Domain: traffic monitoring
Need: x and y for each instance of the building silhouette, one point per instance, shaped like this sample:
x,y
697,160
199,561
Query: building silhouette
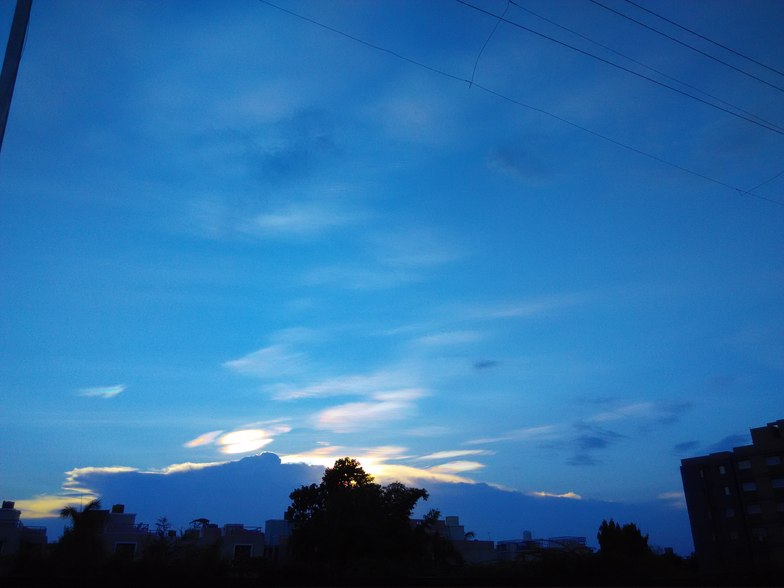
x,y
16,537
736,503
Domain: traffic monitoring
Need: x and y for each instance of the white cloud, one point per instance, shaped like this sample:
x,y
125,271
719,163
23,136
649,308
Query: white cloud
x,y
639,409
103,391
455,453
457,466
450,338
569,495
203,439
269,362
72,484
356,384
242,440
355,416
416,247
45,506
544,431
527,308
299,219
187,466
675,499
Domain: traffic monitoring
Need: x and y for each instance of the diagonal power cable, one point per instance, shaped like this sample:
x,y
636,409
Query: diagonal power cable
x,y
704,38
692,47
519,103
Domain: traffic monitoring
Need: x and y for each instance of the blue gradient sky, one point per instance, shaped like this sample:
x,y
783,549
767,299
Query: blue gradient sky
x,y
225,230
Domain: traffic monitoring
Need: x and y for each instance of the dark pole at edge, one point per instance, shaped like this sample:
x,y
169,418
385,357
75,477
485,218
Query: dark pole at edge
x,y
13,55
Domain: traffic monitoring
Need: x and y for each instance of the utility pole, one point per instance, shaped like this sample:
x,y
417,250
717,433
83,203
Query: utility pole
x,y
13,55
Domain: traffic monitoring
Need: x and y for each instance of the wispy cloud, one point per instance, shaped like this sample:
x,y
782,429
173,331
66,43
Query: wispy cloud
x,y
527,308
685,446
728,443
49,505
674,499
450,338
540,432
567,495
662,412
454,453
73,485
269,362
415,247
242,440
203,439
103,391
454,467
382,408
300,220
347,385
361,277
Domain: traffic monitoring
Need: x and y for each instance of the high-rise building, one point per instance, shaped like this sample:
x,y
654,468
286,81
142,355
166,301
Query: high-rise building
x,y
736,503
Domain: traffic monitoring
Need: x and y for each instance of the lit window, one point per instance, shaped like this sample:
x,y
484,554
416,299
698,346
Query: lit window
x,y
722,470
749,486
777,482
773,460
727,491
744,464
754,509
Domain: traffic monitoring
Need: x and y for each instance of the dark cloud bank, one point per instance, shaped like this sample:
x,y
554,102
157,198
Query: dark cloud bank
x,y
255,489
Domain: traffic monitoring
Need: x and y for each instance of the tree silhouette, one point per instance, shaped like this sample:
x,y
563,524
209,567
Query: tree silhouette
x,y
81,542
348,517
622,541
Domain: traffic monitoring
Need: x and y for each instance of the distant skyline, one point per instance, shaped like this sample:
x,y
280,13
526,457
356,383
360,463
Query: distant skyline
x,y
457,248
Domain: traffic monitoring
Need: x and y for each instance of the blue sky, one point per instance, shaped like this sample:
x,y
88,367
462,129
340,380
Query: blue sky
x,y
227,230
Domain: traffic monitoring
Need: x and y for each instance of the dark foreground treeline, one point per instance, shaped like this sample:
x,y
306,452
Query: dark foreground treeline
x,y
203,566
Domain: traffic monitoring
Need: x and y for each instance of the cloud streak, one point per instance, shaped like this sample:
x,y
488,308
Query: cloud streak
x,y
269,362
382,408
103,391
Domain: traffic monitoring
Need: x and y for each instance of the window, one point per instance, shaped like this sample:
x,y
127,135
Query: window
x,y
722,470
749,486
773,460
754,509
729,513
777,483
727,491
744,464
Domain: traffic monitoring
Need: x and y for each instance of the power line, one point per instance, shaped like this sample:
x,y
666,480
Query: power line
x,y
768,181
687,29
648,67
490,36
773,128
523,105
700,51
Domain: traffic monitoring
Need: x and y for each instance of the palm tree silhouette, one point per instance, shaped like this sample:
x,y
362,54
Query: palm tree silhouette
x,y
82,538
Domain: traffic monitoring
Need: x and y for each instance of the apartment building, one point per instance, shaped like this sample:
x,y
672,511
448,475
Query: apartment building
x,y
736,503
